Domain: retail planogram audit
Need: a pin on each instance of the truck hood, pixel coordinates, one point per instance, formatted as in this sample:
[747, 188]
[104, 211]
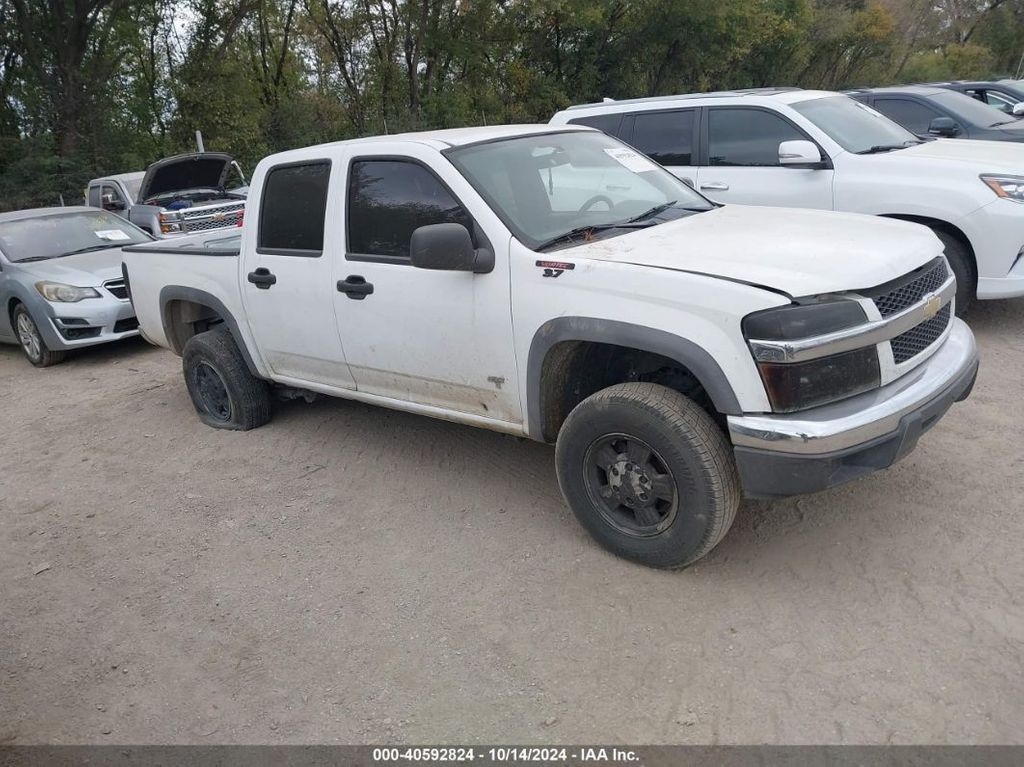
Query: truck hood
[205, 170]
[982, 156]
[86, 270]
[797, 252]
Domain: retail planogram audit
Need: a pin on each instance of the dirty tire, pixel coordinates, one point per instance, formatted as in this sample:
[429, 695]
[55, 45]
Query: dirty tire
[31, 340]
[669, 442]
[962, 264]
[225, 394]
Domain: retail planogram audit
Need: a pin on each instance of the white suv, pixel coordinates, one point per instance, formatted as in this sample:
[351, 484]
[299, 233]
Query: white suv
[817, 149]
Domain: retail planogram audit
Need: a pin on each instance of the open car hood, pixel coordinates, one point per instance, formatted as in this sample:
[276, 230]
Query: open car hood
[206, 170]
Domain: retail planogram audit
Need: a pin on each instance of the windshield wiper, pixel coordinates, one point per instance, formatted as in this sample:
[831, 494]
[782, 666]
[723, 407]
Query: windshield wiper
[1002, 122]
[652, 212]
[581, 230]
[879, 148]
[33, 258]
[85, 250]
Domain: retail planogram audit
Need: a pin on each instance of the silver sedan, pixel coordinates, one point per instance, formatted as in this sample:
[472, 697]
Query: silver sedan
[60, 280]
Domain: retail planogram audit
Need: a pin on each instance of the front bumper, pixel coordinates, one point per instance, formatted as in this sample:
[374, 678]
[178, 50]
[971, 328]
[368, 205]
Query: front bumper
[780, 455]
[88, 322]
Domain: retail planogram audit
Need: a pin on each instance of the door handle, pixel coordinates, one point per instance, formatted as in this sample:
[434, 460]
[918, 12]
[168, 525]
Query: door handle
[355, 287]
[262, 278]
[714, 186]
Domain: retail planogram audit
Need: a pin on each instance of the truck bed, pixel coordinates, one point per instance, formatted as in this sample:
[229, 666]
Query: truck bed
[214, 244]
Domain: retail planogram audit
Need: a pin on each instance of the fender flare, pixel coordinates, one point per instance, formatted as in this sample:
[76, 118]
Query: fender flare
[181, 293]
[693, 357]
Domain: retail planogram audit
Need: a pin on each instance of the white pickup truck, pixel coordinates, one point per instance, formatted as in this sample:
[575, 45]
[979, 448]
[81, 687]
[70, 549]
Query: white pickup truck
[553, 283]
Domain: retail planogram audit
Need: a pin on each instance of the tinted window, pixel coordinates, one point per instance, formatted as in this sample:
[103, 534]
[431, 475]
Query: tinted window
[747, 137]
[607, 123]
[293, 209]
[389, 199]
[912, 115]
[666, 137]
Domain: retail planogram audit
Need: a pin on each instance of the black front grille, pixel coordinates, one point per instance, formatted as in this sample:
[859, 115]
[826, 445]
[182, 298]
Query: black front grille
[117, 289]
[908, 345]
[123, 326]
[894, 297]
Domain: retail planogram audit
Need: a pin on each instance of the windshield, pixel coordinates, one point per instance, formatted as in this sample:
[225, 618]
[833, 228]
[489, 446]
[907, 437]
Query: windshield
[133, 185]
[969, 109]
[64, 234]
[854, 126]
[548, 186]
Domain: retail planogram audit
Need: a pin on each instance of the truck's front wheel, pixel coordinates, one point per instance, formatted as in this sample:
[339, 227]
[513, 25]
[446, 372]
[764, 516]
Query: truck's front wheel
[648, 473]
[225, 394]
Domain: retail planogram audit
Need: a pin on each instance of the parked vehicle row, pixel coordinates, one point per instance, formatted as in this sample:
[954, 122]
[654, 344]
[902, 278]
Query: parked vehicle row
[682, 294]
[816, 149]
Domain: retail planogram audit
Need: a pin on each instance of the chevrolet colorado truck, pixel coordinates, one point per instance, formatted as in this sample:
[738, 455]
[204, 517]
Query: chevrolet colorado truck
[180, 195]
[553, 283]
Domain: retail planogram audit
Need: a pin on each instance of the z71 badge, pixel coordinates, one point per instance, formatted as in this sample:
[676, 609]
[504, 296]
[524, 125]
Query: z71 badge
[555, 268]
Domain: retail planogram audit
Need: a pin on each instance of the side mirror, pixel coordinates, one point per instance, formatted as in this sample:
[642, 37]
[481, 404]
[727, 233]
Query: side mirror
[448, 247]
[943, 126]
[800, 154]
[1018, 109]
[109, 203]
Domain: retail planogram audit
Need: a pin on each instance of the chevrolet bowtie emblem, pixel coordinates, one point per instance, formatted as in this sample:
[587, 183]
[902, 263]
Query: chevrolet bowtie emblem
[931, 308]
[219, 216]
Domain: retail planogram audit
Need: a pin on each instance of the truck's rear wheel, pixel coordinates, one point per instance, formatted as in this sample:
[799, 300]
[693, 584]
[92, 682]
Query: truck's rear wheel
[648, 473]
[225, 394]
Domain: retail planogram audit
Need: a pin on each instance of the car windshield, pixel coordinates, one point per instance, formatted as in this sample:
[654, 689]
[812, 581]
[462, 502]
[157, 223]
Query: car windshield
[969, 109]
[54, 235]
[553, 186]
[854, 126]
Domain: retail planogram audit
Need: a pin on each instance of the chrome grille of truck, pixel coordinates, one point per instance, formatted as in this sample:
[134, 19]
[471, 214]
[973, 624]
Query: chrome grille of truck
[201, 212]
[210, 223]
[916, 286]
[908, 345]
[117, 289]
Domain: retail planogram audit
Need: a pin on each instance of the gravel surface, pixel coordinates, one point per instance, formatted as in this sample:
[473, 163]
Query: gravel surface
[349, 574]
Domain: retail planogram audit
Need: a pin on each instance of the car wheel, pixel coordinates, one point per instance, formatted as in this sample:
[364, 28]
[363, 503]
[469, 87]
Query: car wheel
[31, 340]
[226, 395]
[648, 473]
[962, 264]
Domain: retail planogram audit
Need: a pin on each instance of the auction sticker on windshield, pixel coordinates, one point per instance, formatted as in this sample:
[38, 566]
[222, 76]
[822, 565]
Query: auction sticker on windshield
[113, 235]
[631, 160]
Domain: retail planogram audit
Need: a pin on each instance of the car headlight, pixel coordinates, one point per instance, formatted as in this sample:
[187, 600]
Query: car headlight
[1009, 187]
[793, 386]
[64, 294]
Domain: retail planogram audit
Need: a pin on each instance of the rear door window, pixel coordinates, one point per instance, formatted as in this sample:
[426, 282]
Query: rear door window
[388, 200]
[665, 137]
[748, 137]
[293, 209]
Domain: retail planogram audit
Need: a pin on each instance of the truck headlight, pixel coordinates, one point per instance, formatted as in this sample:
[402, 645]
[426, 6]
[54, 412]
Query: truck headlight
[793, 386]
[169, 223]
[1009, 187]
[64, 294]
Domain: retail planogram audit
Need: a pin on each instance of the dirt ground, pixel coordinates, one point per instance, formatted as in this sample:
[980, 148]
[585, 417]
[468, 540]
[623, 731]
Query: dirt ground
[349, 574]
